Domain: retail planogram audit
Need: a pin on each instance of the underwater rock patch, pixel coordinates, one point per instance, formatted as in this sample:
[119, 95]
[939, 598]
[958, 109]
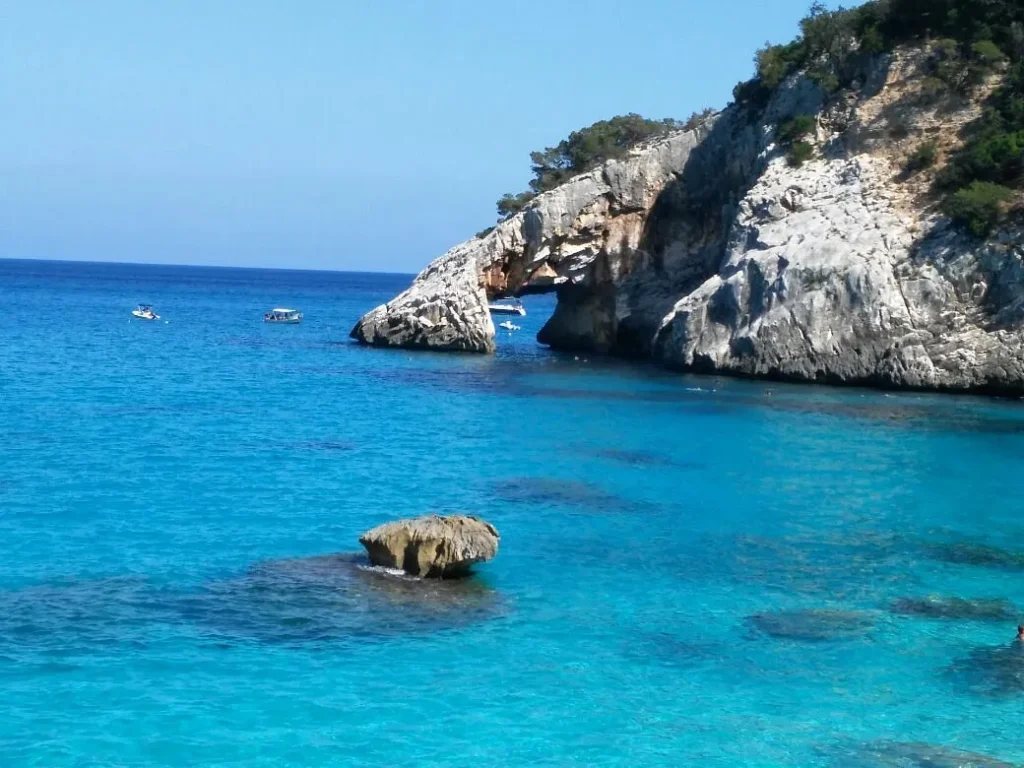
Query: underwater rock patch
[849, 565]
[899, 754]
[76, 616]
[976, 553]
[937, 607]
[327, 445]
[562, 493]
[334, 598]
[670, 650]
[640, 458]
[992, 670]
[813, 625]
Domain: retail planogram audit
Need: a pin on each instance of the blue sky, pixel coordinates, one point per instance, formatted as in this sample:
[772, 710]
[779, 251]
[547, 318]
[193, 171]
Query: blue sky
[324, 133]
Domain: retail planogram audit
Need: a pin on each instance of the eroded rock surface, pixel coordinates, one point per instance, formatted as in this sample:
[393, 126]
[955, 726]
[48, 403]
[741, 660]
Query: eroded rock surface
[707, 251]
[432, 546]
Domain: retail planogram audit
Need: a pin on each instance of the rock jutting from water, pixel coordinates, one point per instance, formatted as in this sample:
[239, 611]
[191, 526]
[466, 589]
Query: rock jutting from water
[432, 546]
[958, 608]
[707, 250]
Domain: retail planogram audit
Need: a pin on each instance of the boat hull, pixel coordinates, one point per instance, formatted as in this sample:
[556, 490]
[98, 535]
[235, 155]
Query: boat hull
[507, 311]
[143, 316]
[294, 321]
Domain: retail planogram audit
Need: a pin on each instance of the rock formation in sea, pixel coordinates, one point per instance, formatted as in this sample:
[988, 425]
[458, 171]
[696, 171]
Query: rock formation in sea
[709, 250]
[432, 546]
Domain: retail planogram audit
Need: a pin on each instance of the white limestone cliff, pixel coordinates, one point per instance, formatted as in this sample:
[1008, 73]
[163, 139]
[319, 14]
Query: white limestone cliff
[708, 251]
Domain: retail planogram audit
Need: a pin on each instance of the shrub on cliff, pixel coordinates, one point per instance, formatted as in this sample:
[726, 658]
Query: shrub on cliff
[794, 129]
[979, 206]
[923, 156]
[973, 40]
[799, 153]
[583, 150]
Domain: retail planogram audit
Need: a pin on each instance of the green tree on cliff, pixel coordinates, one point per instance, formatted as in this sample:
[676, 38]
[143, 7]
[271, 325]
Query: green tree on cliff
[581, 151]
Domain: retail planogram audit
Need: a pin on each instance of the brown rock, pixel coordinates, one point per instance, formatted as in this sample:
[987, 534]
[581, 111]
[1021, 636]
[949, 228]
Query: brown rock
[432, 546]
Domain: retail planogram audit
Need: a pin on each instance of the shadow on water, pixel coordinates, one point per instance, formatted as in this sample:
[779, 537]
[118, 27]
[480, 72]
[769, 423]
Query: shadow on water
[991, 671]
[906, 754]
[292, 602]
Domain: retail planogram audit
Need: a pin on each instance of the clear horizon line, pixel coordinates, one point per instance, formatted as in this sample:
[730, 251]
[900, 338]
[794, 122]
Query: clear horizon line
[206, 266]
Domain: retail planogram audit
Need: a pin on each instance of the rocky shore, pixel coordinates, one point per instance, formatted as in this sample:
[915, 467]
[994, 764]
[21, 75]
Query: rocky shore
[708, 251]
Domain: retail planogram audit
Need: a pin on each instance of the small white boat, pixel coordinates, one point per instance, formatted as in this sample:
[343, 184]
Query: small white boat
[145, 312]
[508, 325]
[509, 308]
[282, 315]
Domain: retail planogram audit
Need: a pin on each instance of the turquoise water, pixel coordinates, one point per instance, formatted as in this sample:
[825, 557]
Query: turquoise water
[165, 486]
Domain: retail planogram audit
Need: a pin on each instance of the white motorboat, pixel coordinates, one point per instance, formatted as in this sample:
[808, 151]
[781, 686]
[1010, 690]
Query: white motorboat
[508, 325]
[508, 308]
[145, 312]
[282, 315]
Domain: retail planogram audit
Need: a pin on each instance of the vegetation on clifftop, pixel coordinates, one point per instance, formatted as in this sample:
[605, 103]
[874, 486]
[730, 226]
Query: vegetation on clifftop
[970, 40]
[588, 148]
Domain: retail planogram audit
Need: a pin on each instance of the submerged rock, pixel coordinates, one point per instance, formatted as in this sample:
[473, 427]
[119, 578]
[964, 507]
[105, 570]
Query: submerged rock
[976, 553]
[992, 670]
[639, 458]
[76, 615]
[432, 546]
[936, 607]
[333, 598]
[562, 493]
[815, 624]
[899, 754]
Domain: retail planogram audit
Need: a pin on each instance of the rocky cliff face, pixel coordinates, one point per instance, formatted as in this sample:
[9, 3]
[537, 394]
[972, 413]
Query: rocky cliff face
[708, 251]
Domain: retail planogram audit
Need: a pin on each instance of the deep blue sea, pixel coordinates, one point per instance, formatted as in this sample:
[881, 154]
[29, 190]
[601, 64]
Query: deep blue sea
[693, 570]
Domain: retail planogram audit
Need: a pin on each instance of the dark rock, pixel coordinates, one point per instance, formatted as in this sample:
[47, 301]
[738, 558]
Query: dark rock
[935, 607]
[813, 625]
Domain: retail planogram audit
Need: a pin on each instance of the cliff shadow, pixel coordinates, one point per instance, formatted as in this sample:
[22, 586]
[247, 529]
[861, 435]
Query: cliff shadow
[685, 235]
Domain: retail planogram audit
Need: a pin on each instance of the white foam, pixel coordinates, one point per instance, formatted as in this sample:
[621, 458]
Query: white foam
[395, 572]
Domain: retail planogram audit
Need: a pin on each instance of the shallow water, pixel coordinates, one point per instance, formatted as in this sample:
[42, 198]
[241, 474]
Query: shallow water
[163, 485]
